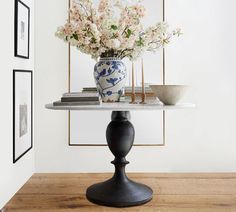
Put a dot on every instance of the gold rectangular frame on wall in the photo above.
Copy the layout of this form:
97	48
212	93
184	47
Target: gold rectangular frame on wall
163	81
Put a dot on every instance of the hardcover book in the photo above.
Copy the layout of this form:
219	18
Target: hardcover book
60	103
80	96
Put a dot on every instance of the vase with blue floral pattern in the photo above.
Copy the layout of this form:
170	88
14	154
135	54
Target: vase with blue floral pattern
110	77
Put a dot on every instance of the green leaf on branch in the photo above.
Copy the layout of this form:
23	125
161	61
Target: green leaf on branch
140	42
128	33
114	27
75	36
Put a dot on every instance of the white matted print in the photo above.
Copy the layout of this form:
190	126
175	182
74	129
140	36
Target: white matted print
22	113
22	29
88	128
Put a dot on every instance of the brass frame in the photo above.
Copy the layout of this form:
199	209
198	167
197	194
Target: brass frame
163	81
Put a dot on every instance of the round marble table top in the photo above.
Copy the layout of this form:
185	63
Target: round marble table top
123	106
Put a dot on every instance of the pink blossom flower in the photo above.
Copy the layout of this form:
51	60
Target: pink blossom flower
100	32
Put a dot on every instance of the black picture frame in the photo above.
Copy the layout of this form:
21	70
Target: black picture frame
16	34
15	71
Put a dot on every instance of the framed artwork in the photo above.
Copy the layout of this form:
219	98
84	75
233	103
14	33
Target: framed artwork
22	29
79	125
22	113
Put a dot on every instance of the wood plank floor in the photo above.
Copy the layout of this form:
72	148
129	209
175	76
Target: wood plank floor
172	193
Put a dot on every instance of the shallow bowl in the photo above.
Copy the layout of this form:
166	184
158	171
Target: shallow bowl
169	94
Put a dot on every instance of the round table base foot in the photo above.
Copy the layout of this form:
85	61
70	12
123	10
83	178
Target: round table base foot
119	194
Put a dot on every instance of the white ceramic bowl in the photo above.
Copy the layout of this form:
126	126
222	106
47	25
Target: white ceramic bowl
169	94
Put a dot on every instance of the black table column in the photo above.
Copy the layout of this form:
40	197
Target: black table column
119	191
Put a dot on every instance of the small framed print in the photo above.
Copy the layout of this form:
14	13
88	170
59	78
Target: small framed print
22	29
22	113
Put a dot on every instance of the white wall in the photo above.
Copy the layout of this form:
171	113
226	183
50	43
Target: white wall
12	176
204	58
198	140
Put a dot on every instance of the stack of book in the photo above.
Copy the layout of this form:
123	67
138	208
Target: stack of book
79	98
90	96
138	91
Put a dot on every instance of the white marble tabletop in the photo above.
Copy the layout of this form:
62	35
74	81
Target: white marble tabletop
123	106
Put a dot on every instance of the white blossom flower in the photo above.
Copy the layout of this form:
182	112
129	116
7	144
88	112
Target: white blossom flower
100	32
115	43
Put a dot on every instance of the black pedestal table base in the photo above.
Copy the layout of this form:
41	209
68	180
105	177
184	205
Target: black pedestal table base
119	191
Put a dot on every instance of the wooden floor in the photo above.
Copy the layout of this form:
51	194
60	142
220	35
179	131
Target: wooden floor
172	193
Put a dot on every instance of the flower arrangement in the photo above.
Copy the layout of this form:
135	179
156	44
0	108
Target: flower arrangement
113	30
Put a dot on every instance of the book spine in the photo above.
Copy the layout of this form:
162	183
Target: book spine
75	103
78	99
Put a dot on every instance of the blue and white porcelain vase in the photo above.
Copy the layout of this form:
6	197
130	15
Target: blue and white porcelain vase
110	77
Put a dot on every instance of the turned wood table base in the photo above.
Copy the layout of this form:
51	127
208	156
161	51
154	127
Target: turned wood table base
119	191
